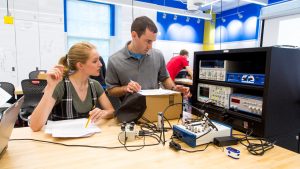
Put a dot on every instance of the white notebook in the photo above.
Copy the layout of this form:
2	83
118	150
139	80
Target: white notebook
71	128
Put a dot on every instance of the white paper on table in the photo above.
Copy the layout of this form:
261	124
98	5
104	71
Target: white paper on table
155	92
4	97
71	128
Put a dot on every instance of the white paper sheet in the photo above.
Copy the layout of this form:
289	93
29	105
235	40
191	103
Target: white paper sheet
4	97
155	92
71	128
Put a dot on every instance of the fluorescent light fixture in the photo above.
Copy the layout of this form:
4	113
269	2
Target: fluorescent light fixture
159	8
210	3
258	2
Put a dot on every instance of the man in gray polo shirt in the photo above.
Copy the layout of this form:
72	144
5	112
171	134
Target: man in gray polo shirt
138	66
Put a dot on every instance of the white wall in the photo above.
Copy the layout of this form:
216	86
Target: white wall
282	31
237	44
35	40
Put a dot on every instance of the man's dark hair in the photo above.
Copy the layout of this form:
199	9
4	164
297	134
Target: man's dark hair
140	24
183	52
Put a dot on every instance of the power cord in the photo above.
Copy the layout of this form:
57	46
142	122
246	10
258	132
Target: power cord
80	145
255	148
177	147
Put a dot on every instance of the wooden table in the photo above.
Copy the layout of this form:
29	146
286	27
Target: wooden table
35	155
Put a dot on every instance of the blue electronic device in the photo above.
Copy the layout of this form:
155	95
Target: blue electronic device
233	153
246	78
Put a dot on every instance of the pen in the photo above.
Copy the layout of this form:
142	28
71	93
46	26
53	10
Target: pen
87	123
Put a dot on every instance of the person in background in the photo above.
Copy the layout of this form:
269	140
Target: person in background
70	93
177	63
138	66
101	77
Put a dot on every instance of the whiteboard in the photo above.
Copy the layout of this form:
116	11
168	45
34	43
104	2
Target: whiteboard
7	52
282	31
52	44
27	43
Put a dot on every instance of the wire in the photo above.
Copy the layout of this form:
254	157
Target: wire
177	146
255	148
132	10
124	144
7	11
80	145
193	151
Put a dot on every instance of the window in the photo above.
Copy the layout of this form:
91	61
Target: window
89	21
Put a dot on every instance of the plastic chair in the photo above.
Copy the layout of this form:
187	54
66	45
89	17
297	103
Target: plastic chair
9	88
182	74
33	92
34	74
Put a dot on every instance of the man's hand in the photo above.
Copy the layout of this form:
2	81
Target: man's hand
184	90
133	87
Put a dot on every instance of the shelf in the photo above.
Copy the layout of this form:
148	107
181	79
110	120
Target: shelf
231	112
230	84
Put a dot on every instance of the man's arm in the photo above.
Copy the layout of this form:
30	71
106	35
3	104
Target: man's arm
169	84
189	70
119	91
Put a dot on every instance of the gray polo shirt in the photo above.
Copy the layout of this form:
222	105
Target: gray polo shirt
147	71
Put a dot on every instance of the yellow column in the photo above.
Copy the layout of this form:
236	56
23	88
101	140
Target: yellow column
209	34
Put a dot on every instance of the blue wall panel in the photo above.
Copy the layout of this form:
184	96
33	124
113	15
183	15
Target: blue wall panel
169	3
180	29
230	27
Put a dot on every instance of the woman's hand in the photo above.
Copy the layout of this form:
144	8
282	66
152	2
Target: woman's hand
97	114
55	75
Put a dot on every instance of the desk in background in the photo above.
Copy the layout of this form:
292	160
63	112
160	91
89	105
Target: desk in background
29	154
184	81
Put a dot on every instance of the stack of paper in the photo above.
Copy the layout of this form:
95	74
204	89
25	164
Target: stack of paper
71	128
156	92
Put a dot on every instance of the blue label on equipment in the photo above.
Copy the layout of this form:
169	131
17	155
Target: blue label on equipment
255	79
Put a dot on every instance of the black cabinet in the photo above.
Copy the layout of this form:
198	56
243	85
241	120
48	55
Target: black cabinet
280	115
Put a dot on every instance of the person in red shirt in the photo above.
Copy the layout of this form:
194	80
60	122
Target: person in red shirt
177	63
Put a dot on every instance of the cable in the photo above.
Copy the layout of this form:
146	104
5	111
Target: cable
177	146
79	145
7	11
124	144
255	148
132	10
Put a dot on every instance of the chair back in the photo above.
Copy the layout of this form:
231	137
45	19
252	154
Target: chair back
34	74
33	91
9	88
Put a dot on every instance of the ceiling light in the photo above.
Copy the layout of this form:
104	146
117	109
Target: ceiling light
223	19
240	15
187	19
164	15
